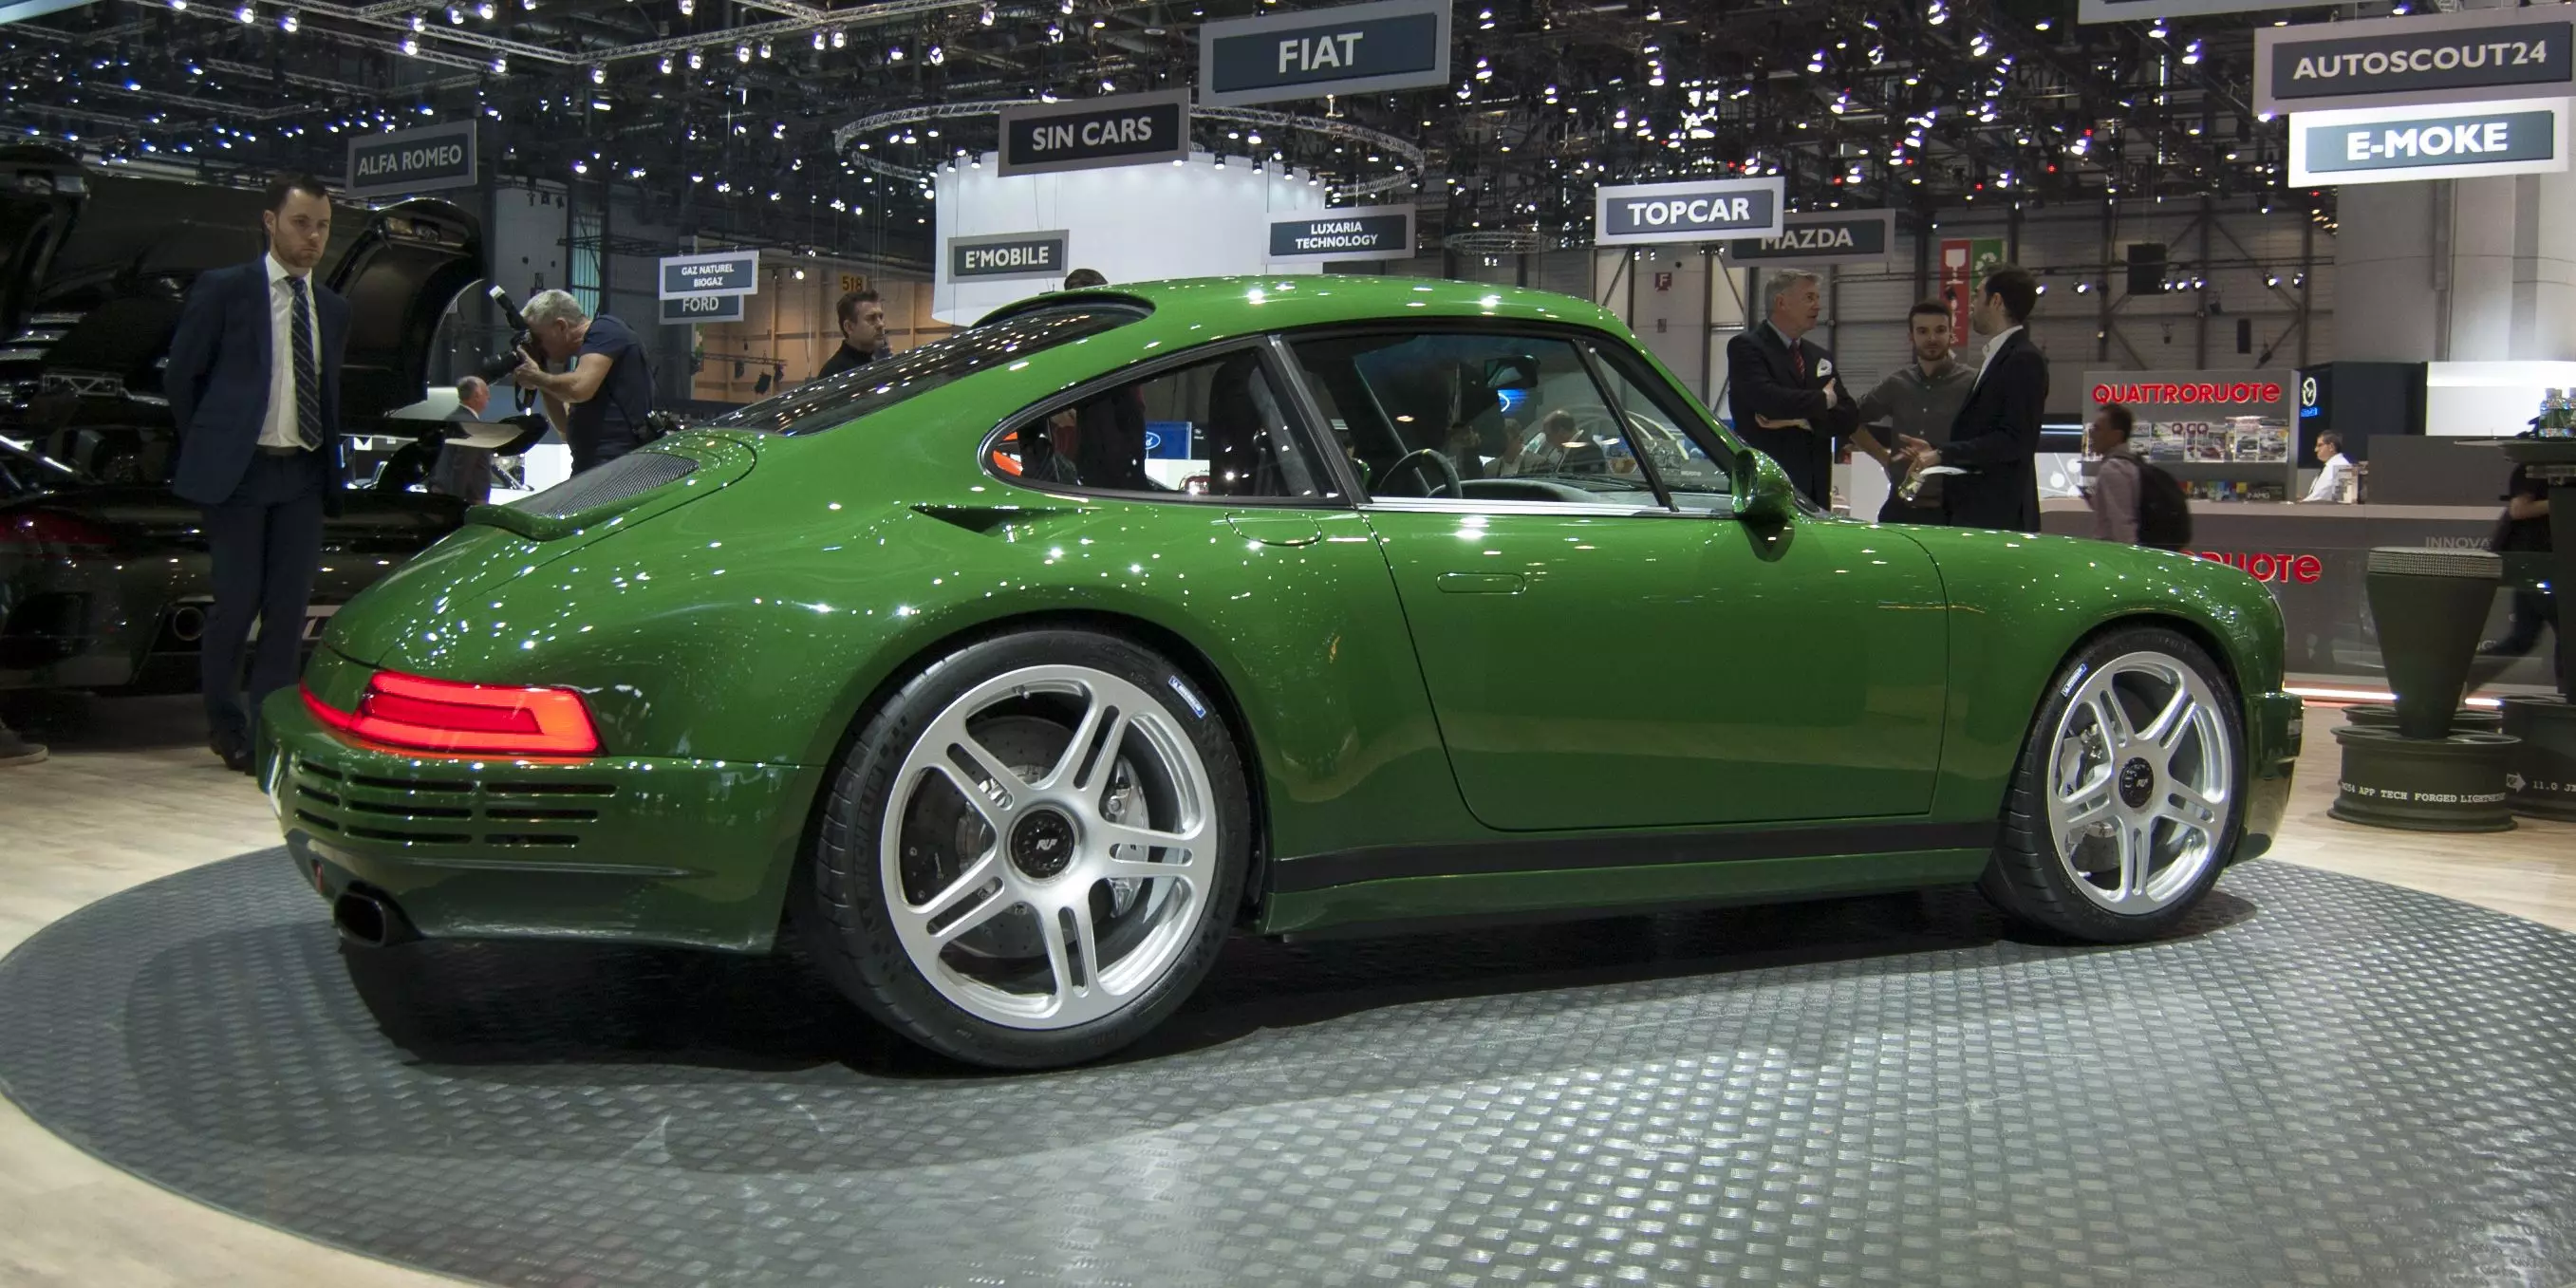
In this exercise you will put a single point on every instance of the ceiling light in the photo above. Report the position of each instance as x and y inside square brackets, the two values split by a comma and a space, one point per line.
[764, 49]
[666, 64]
[500, 64]
[840, 38]
[287, 23]
[598, 75]
[697, 59]
[742, 53]
[938, 55]
[246, 14]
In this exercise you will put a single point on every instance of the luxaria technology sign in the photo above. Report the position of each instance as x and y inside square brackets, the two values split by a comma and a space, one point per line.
[442, 156]
[1697, 210]
[1861, 237]
[1008, 255]
[2412, 62]
[735, 272]
[2396, 144]
[1368, 232]
[1348, 49]
[1045, 138]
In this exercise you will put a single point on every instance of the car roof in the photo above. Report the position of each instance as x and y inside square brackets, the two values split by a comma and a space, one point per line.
[1217, 308]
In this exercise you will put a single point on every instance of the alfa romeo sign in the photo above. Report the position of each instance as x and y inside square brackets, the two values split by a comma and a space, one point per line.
[2396, 144]
[2412, 62]
[1696, 210]
[442, 156]
[1860, 237]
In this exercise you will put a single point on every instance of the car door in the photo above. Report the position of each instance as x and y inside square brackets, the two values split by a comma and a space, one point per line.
[1604, 643]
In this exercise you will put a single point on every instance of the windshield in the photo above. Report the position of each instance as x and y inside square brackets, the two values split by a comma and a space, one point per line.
[818, 405]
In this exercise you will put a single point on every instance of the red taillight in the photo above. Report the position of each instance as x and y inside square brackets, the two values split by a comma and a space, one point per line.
[400, 710]
[44, 530]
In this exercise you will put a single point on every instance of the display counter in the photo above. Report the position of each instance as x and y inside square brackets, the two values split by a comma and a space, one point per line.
[2312, 558]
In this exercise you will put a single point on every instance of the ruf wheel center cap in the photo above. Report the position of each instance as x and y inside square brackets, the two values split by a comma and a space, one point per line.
[2137, 784]
[1042, 844]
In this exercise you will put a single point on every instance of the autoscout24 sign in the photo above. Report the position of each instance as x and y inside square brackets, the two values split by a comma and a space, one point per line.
[1855, 238]
[1008, 255]
[1095, 133]
[1391, 44]
[2410, 62]
[2394, 144]
[442, 156]
[1367, 232]
[717, 273]
[1690, 211]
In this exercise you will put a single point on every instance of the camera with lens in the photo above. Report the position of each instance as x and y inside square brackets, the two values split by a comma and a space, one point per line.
[499, 368]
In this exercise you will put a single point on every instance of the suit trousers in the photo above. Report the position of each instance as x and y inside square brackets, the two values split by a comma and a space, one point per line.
[266, 539]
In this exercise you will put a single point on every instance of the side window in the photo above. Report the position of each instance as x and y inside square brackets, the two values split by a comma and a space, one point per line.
[1473, 416]
[1215, 428]
[1669, 430]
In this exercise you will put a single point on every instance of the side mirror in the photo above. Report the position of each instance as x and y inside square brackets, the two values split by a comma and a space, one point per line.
[1762, 490]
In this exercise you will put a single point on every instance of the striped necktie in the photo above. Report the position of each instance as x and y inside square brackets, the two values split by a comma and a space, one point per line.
[308, 381]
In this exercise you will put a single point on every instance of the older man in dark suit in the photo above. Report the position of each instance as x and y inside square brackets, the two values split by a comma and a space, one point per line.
[1789, 404]
[1996, 437]
[254, 388]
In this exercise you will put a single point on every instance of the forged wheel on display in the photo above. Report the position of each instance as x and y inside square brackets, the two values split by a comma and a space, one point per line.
[2129, 792]
[1033, 851]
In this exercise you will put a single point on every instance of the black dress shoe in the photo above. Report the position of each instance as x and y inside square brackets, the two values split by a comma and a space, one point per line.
[233, 749]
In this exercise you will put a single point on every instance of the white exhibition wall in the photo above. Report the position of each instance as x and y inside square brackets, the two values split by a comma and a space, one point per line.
[1133, 223]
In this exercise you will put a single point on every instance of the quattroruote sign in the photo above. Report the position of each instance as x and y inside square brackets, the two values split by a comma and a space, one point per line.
[2396, 144]
[2479, 56]
[1364, 232]
[1694, 210]
[1348, 49]
[1042, 254]
[1044, 138]
[733, 272]
[441, 156]
[1834, 237]
[689, 310]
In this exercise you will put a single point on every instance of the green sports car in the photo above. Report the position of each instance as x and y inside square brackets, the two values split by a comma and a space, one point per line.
[1016, 672]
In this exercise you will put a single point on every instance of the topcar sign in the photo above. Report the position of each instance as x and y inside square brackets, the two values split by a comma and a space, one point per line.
[1861, 237]
[1390, 44]
[723, 273]
[1367, 232]
[1096, 133]
[1008, 255]
[2435, 58]
[2396, 144]
[442, 156]
[1696, 210]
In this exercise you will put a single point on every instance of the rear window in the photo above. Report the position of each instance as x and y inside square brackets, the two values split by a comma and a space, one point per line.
[818, 405]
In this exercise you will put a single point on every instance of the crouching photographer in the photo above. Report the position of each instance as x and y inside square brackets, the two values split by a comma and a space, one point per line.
[603, 402]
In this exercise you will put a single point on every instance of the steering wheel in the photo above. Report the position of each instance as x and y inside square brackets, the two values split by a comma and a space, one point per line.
[1416, 459]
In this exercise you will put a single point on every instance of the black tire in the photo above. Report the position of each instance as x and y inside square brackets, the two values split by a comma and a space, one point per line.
[843, 913]
[2028, 878]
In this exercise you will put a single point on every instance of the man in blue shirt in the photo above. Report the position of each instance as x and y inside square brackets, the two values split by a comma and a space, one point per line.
[598, 403]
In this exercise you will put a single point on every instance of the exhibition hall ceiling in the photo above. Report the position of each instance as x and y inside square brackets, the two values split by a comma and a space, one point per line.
[723, 114]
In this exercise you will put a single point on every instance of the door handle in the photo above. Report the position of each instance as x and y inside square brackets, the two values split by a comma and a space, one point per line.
[1275, 529]
[1481, 583]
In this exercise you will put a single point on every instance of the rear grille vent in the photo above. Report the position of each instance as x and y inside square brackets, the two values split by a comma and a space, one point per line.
[627, 476]
[437, 812]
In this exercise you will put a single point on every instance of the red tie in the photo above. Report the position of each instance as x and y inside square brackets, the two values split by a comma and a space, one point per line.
[1798, 357]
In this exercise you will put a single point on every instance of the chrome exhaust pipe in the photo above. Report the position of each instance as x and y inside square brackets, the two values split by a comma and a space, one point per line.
[370, 920]
[187, 623]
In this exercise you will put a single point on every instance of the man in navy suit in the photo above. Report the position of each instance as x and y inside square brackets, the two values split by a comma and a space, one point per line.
[254, 388]
[1996, 436]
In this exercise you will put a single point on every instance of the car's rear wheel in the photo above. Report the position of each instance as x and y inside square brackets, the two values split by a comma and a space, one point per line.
[2129, 792]
[1032, 852]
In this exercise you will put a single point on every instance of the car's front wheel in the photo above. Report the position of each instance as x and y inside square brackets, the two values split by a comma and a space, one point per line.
[1032, 852]
[2129, 792]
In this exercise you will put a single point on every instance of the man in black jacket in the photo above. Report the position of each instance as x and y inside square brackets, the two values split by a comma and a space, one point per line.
[1789, 404]
[863, 333]
[1996, 437]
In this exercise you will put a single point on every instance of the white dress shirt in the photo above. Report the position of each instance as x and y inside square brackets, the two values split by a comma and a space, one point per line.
[1993, 347]
[2333, 480]
[278, 428]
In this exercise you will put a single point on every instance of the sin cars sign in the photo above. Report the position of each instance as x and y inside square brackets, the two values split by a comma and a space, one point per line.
[1132, 129]
[1347, 49]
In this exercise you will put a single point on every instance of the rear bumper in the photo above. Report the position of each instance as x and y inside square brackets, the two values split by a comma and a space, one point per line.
[651, 850]
[2274, 730]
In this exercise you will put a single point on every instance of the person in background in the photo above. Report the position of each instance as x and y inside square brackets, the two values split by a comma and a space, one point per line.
[15, 750]
[2114, 494]
[1996, 437]
[1788, 403]
[1084, 279]
[2523, 529]
[598, 403]
[863, 333]
[463, 471]
[254, 387]
[1917, 400]
[2334, 482]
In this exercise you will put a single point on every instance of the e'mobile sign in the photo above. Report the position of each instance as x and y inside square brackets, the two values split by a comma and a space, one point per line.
[1697, 210]
[2414, 62]
[2397, 144]
[442, 156]
[1041, 254]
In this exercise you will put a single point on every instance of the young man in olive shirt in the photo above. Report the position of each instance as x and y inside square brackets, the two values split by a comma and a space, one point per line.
[1920, 400]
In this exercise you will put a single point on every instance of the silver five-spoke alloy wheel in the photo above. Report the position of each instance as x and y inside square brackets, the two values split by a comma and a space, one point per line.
[2140, 778]
[1058, 875]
